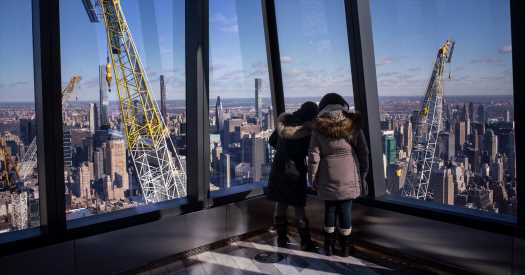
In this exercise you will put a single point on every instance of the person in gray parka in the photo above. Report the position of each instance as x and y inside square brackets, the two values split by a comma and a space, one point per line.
[338, 164]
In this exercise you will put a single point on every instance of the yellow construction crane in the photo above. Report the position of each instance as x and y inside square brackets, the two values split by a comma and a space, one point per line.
[160, 173]
[28, 161]
[8, 166]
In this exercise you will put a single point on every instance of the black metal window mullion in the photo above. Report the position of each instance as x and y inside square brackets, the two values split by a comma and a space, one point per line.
[273, 55]
[516, 7]
[197, 101]
[48, 104]
[361, 46]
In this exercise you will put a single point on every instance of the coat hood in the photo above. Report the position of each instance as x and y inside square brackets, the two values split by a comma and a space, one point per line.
[290, 127]
[335, 122]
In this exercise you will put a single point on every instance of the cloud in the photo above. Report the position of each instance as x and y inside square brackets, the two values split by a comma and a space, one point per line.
[385, 61]
[14, 84]
[387, 74]
[505, 49]
[225, 24]
[486, 60]
[286, 59]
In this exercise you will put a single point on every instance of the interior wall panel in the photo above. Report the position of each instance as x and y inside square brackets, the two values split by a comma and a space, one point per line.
[479, 251]
[250, 215]
[55, 259]
[519, 256]
[137, 246]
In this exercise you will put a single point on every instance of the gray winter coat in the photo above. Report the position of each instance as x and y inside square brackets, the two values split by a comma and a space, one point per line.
[338, 155]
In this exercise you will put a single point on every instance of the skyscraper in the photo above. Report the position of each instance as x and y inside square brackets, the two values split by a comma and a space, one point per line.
[258, 104]
[460, 134]
[97, 116]
[491, 144]
[219, 115]
[389, 145]
[98, 163]
[258, 158]
[85, 176]
[27, 129]
[482, 116]
[442, 182]
[163, 109]
[91, 115]
[117, 168]
[103, 97]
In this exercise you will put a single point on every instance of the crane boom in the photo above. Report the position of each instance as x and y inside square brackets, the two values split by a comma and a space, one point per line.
[160, 175]
[28, 162]
[426, 133]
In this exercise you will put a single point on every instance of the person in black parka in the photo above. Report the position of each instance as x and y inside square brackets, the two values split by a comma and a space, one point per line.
[287, 184]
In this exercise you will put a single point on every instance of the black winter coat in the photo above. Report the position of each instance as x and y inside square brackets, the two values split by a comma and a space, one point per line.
[287, 182]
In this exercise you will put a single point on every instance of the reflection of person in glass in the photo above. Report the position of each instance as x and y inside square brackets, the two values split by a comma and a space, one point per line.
[338, 163]
[287, 183]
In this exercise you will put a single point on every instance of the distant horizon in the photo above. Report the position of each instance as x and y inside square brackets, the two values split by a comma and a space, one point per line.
[286, 97]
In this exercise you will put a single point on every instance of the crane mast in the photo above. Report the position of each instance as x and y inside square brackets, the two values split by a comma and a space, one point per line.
[426, 133]
[160, 174]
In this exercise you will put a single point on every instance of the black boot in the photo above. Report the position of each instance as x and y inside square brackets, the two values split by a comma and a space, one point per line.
[329, 243]
[346, 246]
[306, 240]
[281, 225]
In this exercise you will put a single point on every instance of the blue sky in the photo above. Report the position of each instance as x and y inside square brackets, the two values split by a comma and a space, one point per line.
[314, 47]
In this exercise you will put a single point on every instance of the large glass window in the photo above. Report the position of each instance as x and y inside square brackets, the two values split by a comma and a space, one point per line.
[19, 191]
[314, 50]
[241, 116]
[123, 103]
[444, 74]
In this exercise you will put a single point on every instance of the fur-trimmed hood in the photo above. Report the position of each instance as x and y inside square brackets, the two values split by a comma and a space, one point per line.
[289, 127]
[336, 123]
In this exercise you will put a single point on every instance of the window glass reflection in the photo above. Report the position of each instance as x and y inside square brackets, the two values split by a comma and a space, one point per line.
[19, 189]
[314, 50]
[123, 104]
[241, 115]
[447, 116]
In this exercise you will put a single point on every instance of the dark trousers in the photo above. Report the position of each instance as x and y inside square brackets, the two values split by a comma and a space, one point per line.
[281, 209]
[338, 211]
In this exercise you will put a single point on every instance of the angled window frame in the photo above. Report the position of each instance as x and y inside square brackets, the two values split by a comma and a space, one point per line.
[364, 77]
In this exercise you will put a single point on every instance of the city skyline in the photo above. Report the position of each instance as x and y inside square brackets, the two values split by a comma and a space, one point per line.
[481, 63]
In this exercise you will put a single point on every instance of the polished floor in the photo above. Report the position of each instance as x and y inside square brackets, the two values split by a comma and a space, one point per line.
[240, 257]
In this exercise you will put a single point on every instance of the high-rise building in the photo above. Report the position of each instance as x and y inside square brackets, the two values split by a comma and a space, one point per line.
[471, 111]
[258, 158]
[226, 168]
[497, 171]
[85, 177]
[389, 146]
[97, 116]
[460, 134]
[409, 137]
[482, 116]
[92, 119]
[219, 115]
[268, 121]
[258, 99]
[491, 144]
[117, 166]
[98, 163]
[27, 129]
[163, 110]
[442, 183]
[103, 98]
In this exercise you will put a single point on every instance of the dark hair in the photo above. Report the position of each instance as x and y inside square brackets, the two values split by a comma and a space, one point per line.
[307, 112]
[333, 99]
